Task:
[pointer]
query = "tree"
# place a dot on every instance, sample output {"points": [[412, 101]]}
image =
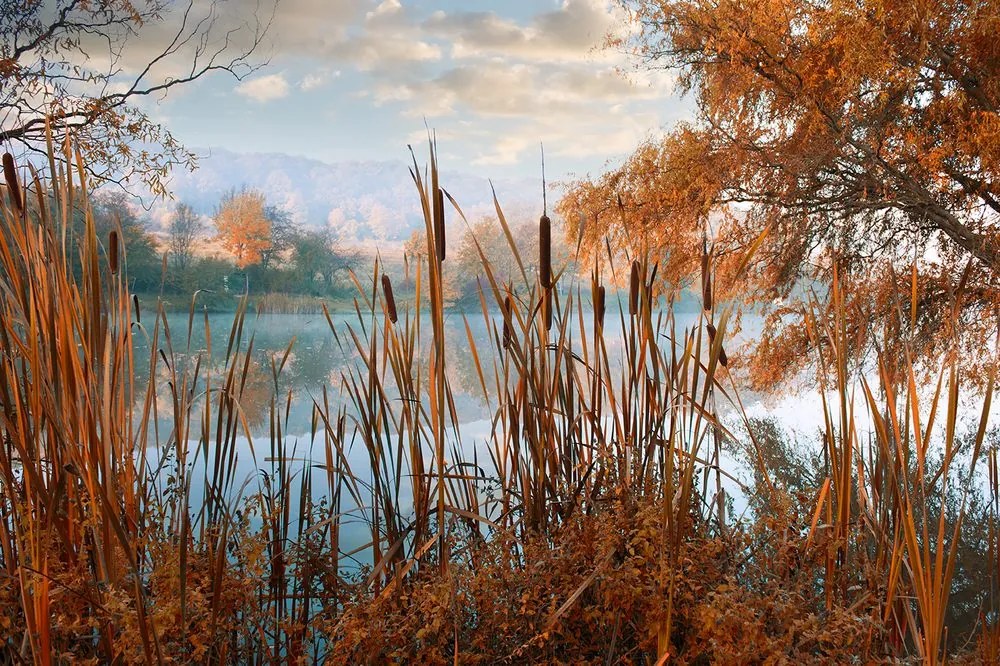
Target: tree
{"points": [[487, 236], [116, 211], [282, 233], [315, 253], [851, 135], [185, 227], [84, 67], [243, 225]]}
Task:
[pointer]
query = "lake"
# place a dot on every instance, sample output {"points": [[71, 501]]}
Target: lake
{"points": [[318, 356]]}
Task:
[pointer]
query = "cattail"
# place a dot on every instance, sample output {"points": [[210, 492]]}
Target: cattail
{"points": [[13, 187], [135, 302], [390, 300], [706, 276], [39, 195], [508, 311], [113, 251], [599, 308], [439, 238], [723, 359], [545, 251], [633, 290], [547, 309]]}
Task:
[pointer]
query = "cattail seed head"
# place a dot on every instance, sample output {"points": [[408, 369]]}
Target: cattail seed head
{"points": [[633, 289], [113, 251], [439, 237], [545, 251], [599, 307], [390, 300], [508, 311], [723, 359], [706, 292], [706, 277], [13, 186]]}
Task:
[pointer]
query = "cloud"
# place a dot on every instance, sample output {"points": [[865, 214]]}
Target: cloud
{"points": [[316, 80], [572, 32], [615, 130], [498, 88], [544, 76], [264, 88]]}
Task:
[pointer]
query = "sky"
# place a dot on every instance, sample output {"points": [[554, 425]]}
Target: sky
{"points": [[361, 79]]}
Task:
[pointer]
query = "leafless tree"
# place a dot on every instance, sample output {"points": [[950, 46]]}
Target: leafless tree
{"points": [[185, 227]]}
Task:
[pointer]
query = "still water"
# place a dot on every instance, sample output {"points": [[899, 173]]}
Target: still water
{"points": [[318, 357]]}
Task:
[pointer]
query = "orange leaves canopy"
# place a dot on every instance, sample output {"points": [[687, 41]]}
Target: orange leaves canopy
{"points": [[862, 134], [244, 227]]}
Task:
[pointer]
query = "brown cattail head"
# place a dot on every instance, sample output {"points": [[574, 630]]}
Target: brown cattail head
{"points": [[390, 300], [508, 312], [706, 276], [723, 359], [113, 251], [439, 238], [545, 251], [13, 186], [633, 289], [599, 307]]}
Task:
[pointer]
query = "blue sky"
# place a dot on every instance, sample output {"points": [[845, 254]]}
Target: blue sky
{"points": [[357, 80]]}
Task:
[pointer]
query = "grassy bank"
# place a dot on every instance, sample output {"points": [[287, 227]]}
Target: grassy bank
{"points": [[594, 526]]}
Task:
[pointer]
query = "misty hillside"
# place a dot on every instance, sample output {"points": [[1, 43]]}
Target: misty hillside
{"points": [[363, 201]]}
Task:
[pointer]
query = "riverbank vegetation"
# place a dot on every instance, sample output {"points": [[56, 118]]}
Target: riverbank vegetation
{"points": [[622, 507], [604, 520]]}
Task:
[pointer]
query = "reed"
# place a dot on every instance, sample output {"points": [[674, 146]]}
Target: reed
{"points": [[592, 526], [13, 185], [113, 249], [545, 252], [390, 300]]}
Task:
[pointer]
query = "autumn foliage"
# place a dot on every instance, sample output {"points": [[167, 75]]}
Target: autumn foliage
{"points": [[600, 522], [858, 135], [244, 227]]}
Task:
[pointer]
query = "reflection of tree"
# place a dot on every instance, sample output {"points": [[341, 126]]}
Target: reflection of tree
{"points": [[461, 365], [797, 469], [257, 391]]}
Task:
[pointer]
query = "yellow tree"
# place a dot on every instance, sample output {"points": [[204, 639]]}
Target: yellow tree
{"points": [[862, 135], [244, 226]]}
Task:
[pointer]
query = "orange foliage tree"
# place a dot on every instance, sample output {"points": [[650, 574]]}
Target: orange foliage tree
{"points": [[857, 135], [244, 226]]}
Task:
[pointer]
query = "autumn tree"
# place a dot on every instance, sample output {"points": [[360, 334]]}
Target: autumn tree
{"points": [[184, 228], [85, 67], [487, 236], [857, 136], [243, 225]]}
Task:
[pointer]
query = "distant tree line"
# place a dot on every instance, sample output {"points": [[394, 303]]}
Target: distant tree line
{"points": [[257, 247]]}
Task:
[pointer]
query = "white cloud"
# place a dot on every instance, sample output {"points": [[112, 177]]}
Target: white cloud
{"points": [[572, 32], [316, 80], [264, 88]]}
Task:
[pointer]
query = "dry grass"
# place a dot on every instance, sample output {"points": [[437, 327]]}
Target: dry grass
{"points": [[596, 529]]}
